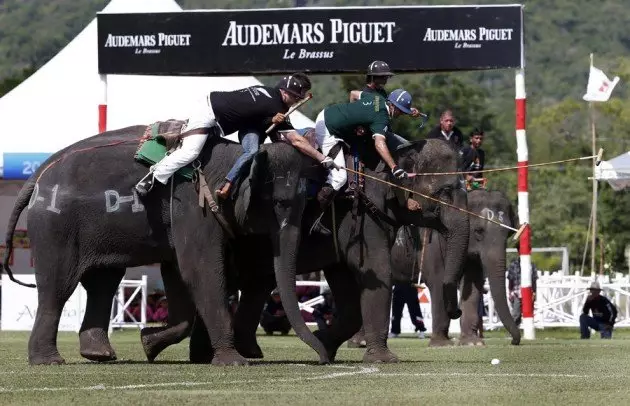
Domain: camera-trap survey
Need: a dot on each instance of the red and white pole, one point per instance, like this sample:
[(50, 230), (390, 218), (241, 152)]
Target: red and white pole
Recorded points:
[(102, 106), (527, 303)]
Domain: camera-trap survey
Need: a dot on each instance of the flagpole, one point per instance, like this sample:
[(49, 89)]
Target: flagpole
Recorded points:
[(594, 203)]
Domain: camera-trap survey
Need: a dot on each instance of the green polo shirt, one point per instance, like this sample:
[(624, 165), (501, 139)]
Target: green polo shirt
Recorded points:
[(370, 112)]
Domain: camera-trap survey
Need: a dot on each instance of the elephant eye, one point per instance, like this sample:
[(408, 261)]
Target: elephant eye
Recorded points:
[(479, 232)]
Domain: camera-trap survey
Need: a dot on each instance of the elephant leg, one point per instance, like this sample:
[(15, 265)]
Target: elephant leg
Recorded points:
[(254, 294), (181, 312), (439, 316), (472, 285), (201, 262), (56, 282), (347, 321), (100, 285), (358, 340), (200, 350), (376, 299)]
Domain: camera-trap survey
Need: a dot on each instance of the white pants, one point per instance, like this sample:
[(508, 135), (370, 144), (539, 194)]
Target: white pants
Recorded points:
[(336, 178), (191, 144)]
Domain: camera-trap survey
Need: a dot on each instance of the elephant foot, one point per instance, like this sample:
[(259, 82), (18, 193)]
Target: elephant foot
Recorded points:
[(228, 358), (55, 359), (251, 350), (375, 355), (440, 342), (472, 341), (95, 346), (151, 342)]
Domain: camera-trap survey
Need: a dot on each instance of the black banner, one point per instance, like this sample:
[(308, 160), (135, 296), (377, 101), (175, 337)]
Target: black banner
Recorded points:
[(315, 40)]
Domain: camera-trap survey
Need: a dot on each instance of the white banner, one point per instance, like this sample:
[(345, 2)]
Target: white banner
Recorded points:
[(19, 306)]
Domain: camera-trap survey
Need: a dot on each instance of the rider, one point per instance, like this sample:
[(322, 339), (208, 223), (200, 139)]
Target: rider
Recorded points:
[(378, 73), (340, 121), (252, 107)]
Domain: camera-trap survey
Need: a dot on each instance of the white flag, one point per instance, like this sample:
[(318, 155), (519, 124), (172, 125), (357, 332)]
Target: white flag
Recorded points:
[(599, 87)]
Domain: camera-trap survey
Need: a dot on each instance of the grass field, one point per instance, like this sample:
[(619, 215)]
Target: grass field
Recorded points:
[(553, 369)]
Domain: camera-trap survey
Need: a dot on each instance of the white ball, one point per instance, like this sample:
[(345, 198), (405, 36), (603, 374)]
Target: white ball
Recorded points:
[(495, 361)]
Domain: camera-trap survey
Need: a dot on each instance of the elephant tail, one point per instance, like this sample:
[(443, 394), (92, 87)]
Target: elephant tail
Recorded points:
[(22, 201)]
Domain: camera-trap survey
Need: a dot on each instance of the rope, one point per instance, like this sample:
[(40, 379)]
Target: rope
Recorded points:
[(334, 225), (64, 156), (509, 168), (433, 199), (424, 244)]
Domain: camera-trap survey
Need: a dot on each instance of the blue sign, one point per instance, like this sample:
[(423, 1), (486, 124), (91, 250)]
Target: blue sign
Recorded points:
[(22, 165)]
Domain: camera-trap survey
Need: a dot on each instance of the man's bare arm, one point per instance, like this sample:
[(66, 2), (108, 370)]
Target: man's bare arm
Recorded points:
[(383, 151), (302, 145), (355, 95)]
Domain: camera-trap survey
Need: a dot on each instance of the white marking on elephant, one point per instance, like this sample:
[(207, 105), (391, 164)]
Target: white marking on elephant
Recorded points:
[(487, 213), (113, 200), (400, 238), (284, 223), (53, 201), (35, 197), (301, 186), (288, 179), (490, 215)]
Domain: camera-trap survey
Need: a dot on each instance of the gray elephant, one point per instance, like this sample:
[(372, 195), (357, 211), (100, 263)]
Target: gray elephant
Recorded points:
[(356, 265), (86, 224), (485, 258)]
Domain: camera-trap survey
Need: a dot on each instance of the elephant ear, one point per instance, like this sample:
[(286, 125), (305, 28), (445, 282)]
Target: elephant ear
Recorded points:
[(404, 254)]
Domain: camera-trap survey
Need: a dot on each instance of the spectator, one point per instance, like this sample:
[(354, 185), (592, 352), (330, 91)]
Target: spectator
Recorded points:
[(406, 293), (514, 286), (473, 157), (324, 312), (604, 314), (447, 131), (161, 312), (273, 317)]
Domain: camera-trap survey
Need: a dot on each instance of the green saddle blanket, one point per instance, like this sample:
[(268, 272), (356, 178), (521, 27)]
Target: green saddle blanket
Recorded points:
[(153, 149)]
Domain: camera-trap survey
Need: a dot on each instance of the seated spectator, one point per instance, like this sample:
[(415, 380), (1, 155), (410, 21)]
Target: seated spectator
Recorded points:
[(324, 312), (604, 314), (273, 317), (161, 312), (473, 157), (447, 131)]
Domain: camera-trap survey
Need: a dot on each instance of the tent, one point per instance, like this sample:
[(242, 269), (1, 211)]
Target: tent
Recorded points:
[(61, 98), (616, 171)]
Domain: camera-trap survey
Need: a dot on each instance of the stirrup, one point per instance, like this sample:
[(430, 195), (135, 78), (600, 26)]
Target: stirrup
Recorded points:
[(147, 180)]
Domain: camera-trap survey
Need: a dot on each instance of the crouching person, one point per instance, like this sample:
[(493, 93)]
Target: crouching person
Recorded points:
[(604, 314)]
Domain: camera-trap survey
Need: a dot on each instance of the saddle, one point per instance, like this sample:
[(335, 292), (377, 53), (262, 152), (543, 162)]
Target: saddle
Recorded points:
[(159, 139)]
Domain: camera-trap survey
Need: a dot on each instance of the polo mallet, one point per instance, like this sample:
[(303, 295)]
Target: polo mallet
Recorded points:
[(296, 106), (600, 153), (424, 119)]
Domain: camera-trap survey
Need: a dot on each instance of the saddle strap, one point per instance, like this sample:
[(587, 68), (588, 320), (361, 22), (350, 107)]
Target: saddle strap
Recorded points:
[(378, 213), (205, 196)]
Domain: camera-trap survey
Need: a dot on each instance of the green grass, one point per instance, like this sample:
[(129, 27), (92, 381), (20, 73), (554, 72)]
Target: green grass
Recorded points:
[(556, 368)]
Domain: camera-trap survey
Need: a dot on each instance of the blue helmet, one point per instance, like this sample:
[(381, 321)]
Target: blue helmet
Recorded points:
[(401, 99)]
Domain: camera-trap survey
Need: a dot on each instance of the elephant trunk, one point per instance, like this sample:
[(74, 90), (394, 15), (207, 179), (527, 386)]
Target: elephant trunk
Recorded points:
[(287, 243), (457, 235), (495, 270)]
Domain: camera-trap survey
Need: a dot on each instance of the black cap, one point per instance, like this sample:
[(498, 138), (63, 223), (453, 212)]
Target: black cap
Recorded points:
[(295, 84), (379, 68)]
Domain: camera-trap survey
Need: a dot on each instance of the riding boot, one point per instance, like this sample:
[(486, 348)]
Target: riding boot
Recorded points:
[(325, 197), (146, 184)]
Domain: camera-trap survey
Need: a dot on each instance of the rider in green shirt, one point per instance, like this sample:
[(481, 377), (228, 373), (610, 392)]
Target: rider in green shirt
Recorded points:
[(340, 121)]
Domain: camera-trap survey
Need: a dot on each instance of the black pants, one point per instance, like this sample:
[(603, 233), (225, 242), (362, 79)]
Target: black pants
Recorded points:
[(405, 293), (271, 323)]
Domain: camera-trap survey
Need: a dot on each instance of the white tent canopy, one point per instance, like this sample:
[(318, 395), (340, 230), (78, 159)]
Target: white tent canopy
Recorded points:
[(616, 171), (57, 105)]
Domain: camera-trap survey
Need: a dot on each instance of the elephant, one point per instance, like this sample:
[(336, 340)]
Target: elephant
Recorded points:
[(356, 265), (485, 258), (87, 225)]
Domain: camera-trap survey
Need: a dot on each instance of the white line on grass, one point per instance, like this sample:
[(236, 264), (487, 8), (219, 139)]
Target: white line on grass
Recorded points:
[(361, 370), (507, 375)]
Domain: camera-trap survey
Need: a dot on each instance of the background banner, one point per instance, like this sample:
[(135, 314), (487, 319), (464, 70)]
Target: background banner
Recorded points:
[(316, 40)]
